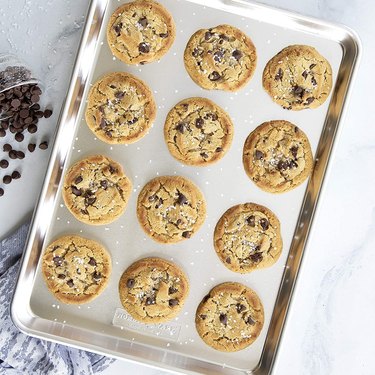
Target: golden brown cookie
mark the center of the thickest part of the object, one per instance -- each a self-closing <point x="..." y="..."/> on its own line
<point x="220" y="58"/>
<point x="198" y="132"/>
<point x="247" y="237"/>
<point x="153" y="290"/>
<point x="96" y="190"/>
<point x="171" y="209"/>
<point x="298" y="77"/>
<point x="76" y="269"/>
<point x="140" y="32"/>
<point x="277" y="156"/>
<point x="230" y="317"/>
<point x="120" y="109"/>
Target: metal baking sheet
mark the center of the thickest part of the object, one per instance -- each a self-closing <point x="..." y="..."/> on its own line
<point x="102" y="325"/>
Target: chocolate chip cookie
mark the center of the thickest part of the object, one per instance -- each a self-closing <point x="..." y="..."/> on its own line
<point x="76" y="269"/>
<point x="140" y="32"/>
<point x="171" y="209"/>
<point x="120" y="109"/>
<point x="153" y="290"/>
<point x="198" y="132"/>
<point x="247" y="237"/>
<point x="220" y="58"/>
<point x="230" y="317"/>
<point x="277" y="156"/>
<point x="96" y="190"/>
<point x="298" y="77"/>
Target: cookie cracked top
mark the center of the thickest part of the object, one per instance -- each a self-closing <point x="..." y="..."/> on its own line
<point x="230" y="317"/>
<point x="171" y="209"/>
<point x="153" y="290"/>
<point x="75" y="269"/>
<point x="198" y="132"/>
<point x="141" y="31"/>
<point x="96" y="190"/>
<point x="220" y="58"/>
<point x="120" y="109"/>
<point x="298" y="77"/>
<point x="247" y="237"/>
<point x="277" y="156"/>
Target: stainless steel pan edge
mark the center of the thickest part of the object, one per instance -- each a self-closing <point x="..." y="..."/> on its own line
<point x="21" y="313"/>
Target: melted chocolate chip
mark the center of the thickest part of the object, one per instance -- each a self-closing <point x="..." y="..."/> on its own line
<point x="118" y="28"/>
<point x="133" y="121"/>
<point x="61" y="276"/>
<point x="309" y="100"/>
<point x="181" y="127"/>
<point x="151" y="198"/>
<point x="143" y="22"/>
<point x="119" y="94"/>
<point x="92" y="262"/>
<point x="259" y="155"/>
<point x="298" y="91"/>
<point x="163" y="35"/>
<point x="204" y="155"/>
<point x="313" y="81"/>
<point x="150" y="301"/>
<point x="160" y="203"/>
<point x="208" y="35"/>
<point x="256" y="257"/>
<point x="112" y="169"/>
<point x="77" y="192"/>
<point x="130" y="283"/>
<point x="218" y="56"/>
<point x="294" y="150"/>
<point x="70" y="283"/>
<point x="251" y="220"/>
<point x="96" y="276"/>
<point x="214" y="76"/>
<point x="304" y="74"/>
<point x="282" y="165"/>
<point x="58" y="260"/>
<point x="173" y="302"/>
<point x="228" y="260"/>
<point x="279" y="75"/>
<point x="264" y="223"/>
<point x="199" y="123"/>
<point x="240" y="307"/>
<point x="181" y="199"/>
<point x="104" y="184"/>
<point x="223" y="319"/>
<point x="219" y="149"/>
<point x="237" y="54"/>
<point x="78" y="180"/>
<point x="143" y="47"/>
<point x="195" y="52"/>
<point x="250" y="321"/>
<point x="89" y="201"/>
<point x="172" y="290"/>
<point x="186" y="234"/>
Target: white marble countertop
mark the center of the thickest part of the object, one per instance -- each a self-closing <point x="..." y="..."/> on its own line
<point x="331" y="325"/>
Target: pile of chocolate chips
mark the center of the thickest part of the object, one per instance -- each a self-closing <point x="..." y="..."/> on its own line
<point x="19" y="113"/>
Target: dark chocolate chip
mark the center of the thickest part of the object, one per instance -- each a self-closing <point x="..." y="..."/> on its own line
<point x="7" y="179"/>
<point x="204" y="155"/>
<point x="77" y="192"/>
<point x="130" y="283"/>
<point x="214" y="76"/>
<point x="304" y="74"/>
<point x="84" y="212"/>
<point x="13" y="154"/>
<point x="223" y="319"/>
<point x="4" y="163"/>
<point x="186" y="234"/>
<point x="172" y="290"/>
<point x="31" y="147"/>
<point x="219" y="149"/>
<point x="264" y="223"/>
<point x="152" y="198"/>
<point x="199" y="123"/>
<point x="208" y="35"/>
<point x="133" y="121"/>
<point x="312" y="66"/>
<point x="181" y="127"/>
<point x="206" y="298"/>
<point x="112" y="169"/>
<point x="104" y="184"/>
<point x="144" y="47"/>
<point x="19" y="137"/>
<point x="228" y="260"/>
<point x="117" y="28"/>
<point x="143" y="22"/>
<point x="279" y="75"/>
<point x="150" y="301"/>
<point x="298" y="91"/>
<point x="32" y="128"/>
<point x="250" y="321"/>
<point x="108" y="134"/>
<point x="78" y="180"/>
<point x="70" y="283"/>
<point x="173" y="302"/>
<point x="89" y="201"/>
<point x="1" y="192"/>
<point x="159" y="203"/>
<point x="309" y="100"/>
<point x="251" y="220"/>
<point x="58" y="261"/>
<point x="163" y="35"/>
<point x="20" y="154"/>
<point x="34" y="98"/>
<point x="119" y="94"/>
<point x="240" y="307"/>
<point x="256" y="257"/>
<point x="237" y="54"/>
<point x="15" y="103"/>
<point x="16" y="175"/>
<point x="43" y="145"/>
<point x="259" y="155"/>
<point x="195" y="52"/>
<point x="313" y="81"/>
<point x="24" y="113"/>
<point x="181" y="199"/>
<point x="203" y="316"/>
<point x="47" y="113"/>
<point x="61" y="276"/>
<point x="2" y="133"/>
<point x="96" y="276"/>
<point x="7" y="147"/>
<point x="282" y="165"/>
<point x="178" y="222"/>
<point x="218" y="56"/>
<point x="294" y="150"/>
<point x="92" y="262"/>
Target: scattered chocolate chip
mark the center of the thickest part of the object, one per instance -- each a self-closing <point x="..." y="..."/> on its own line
<point x="181" y="127"/>
<point x="96" y="276"/>
<point x="89" y="201"/>
<point x="282" y="165"/>
<point x="47" y="113"/>
<point x="256" y="257"/>
<point x="13" y="154"/>
<point x="61" y="276"/>
<point x="208" y="35"/>
<point x="219" y="149"/>
<point x="237" y="54"/>
<point x="163" y="35"/>
<point x="143" y="22"/>
<point x="77" y="192"/>
<point x="7" y="179"/>
<point x="7" y="147"/>
<point x="144" y="47"/>
<point x="31" y="147"/>
<point x="298" y="91"/>
<point x="58" y="261"/>
<point x="20" y="154"/>
<point x="117" y="28"/>
<point x="32" y="128"/>
<point x="104" y="184"/>
<point x="43" y="145"/>
<point x="250" y="321"/>
<point x="1" y="192"/>
<point x="228" y="260"/>
<point x="199" y="123"/>
<point x="92" y="262"/>
<point x="264" y="223"/>
<point x="181" y="199"/>
<point x="223" y="319"/>
<point x="259" y="155"/>
<point x="251" y="220"/>
<point x="214" y="76"/>
<point x="173" y="302"/>
<point x="172" y="290"/>
<point x="4" y="163"/>
<point x="240" y="307"/>
<point x="130" y="283"/>
<point x="19" y="137"/>
<point x="15" y="103"/>
<point x="186" y="234"/>
<point x="304" y="74"/>
<point x="2" y="133"/>
<point x="70" y="283"/>
<point x="218" y="56"/>
<point x="294" y="151"/>
<point x="16" y="175"/>
<point x="24" y="113"/>
<point x="150" y="301"/>
<point x="78" y="180"/>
